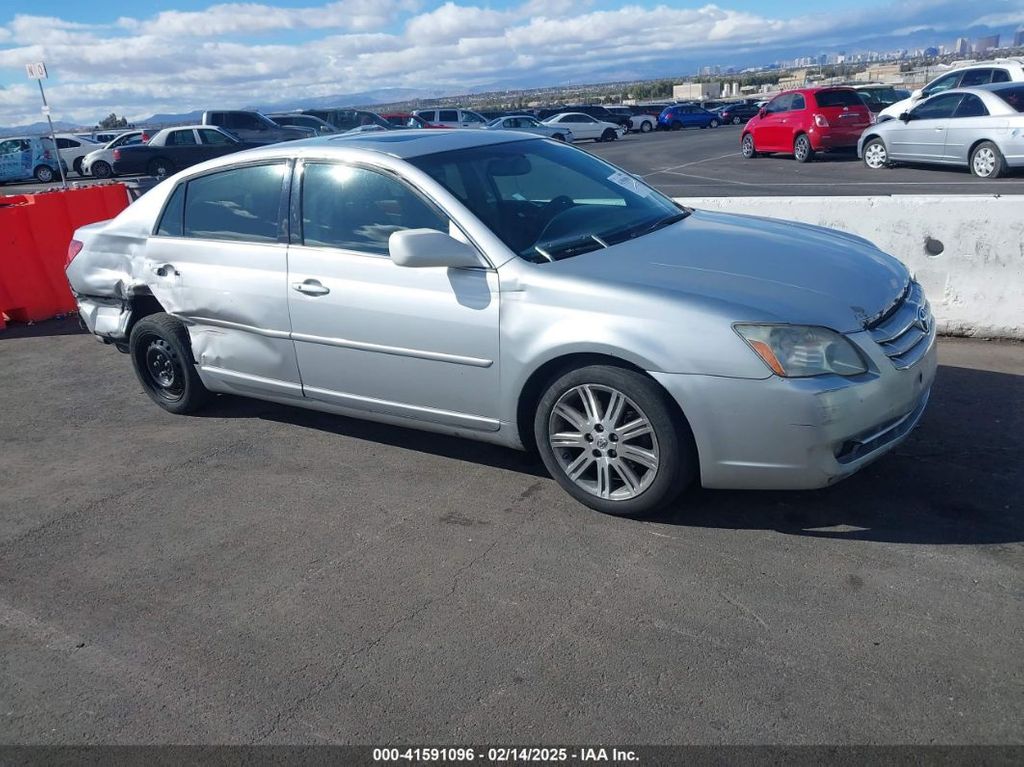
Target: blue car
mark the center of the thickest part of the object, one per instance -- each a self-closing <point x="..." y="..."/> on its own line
<point x="687" y="116"/>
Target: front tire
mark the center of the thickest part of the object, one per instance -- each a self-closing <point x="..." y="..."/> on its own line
<point x="713" y="124"/>
<point x="747" y="147"/>
<point x="162" y="357"/>
<point x="608" y="135"/>
<point x="875" y="154"/>
<point x="102" y="169"/>
<point x="987" y="161"/>
<point x="737" y="120"/>
<point x="646" y="126"/>
<point x="611" y="438"/>
<point x="802" y="149"/>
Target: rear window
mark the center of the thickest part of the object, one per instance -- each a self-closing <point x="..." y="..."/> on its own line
<point x="1013" y="96"/>
<point x="237" y="204"/>
<point x="838" y="99"/>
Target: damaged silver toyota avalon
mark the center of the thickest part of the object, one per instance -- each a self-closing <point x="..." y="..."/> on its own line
<point x="513" y="289"/>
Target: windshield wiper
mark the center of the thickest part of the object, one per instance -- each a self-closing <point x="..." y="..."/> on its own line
<point x="661" y="223"/>
<point x="570" y="247"/>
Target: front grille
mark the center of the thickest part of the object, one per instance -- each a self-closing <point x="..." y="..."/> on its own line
<point x="906" y="332"/>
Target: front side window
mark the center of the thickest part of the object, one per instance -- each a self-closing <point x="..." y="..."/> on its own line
<point x="238" y="204"/>
<point x="473" y="117"/>
<point x="358" y="209"/>
<point x="799" y="102"/>
<point x="213" y="137"/>
<point x="548" y="201"/>
<point x="779" y="104"/>
<point x="938" y="108"/>
<point x="944" y="83"/>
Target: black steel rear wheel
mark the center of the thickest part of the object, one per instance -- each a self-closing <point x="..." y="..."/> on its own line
<point x="162" y="357"/>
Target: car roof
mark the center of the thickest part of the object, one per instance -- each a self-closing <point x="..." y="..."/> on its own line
<point x="994" y="87"/>
<point x="405" y="144"/>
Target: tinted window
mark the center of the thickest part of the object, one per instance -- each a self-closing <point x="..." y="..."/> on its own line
<point x="944" y="83"/>
<point x="1000" y="76"/>
<point x="837" y="99"/>
<point x="1013" y="96"/>
<point x="449" y="116"/>
<point x="180" y="138"/>
<point x="243" y="121"/>
<point x="779" y="104"/>
<point x="170" y="221"/>
<point x="971" y="106"/>
<point x="976" y="77"/>
<point x="938" y="107"/>
<point x="66" y="143"/>
<point x="799" y="102"/>
<point x="472" y="117"/>
<point x="213" y="137"/>
<point x="358" y="209"/>
<point x="238" y="204"/>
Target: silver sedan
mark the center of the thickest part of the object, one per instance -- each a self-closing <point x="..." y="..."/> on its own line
<point x="516" y="290"/>
<point x="529" y="124"/>
<point x="981" y="128"/>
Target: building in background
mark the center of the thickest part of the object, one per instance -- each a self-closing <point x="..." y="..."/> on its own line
<point x="962" y="46"/>
<point x="985" y="44"/>
<point x="696" y="91"/>
<point x="1018" y="39"/>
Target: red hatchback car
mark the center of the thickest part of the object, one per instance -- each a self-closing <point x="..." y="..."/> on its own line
<point x="806" y="121"/>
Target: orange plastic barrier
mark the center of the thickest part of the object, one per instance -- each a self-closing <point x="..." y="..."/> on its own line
<point x="35" y="230"/>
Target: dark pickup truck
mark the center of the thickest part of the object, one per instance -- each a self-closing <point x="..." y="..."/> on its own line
<point x="172" y="149"/>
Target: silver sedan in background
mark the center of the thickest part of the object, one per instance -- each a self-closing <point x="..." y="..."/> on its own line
<point x="529" y="124"/>
<point x="981" y="128"/>
<point x="517" y="290"/>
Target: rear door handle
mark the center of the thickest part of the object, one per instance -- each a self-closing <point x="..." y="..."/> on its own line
<point x="311" y="288"/>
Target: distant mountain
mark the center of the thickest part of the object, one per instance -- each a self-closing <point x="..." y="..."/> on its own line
<point x="164" y="118"/>
<point x="38" y="129"/>
<point x="365" y="98"/>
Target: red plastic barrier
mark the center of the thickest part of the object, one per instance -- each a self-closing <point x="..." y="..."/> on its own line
<point x="35" y="230"/>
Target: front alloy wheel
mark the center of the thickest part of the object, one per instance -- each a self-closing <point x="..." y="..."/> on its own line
<point x="610" y="438"/>
<point x="987" y="161"/>
<point x="875" y="155"/>
<point x="747" y="147"/>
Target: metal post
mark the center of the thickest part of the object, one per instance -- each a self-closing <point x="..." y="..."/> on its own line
<point x="53" y="137"/>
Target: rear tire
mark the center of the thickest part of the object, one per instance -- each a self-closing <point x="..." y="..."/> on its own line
<point x="802" y="149"/>
<point x="102" y="169"/>
<point x="713" y="124"/>
<point x="676" y="125"/>
<point x="640" y="453"/>
<point x="44" y="174"/>
<point x="160" y="167"/>
<point x="987" y="161"/>
<point x="76" y="166"/>
<point x="162" y="357"/>
<point x="736" y="120"/>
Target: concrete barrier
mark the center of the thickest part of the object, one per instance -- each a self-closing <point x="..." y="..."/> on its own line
<point x="966" y="250"/>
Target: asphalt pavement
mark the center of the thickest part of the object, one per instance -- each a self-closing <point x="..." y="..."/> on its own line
<point x="260" y="574"/>
<point x="697" y="163"/>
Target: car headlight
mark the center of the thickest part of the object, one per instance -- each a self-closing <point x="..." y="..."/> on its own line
<point x="801" y="351"/>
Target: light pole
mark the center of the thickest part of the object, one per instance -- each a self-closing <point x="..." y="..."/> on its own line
<point x="37" y="72"/>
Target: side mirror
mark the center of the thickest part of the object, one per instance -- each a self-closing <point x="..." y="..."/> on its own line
<point x="906" y="117"/>
<point x="917" y="95"/>
<point x="762" y="112"/>
<point x="429" y="247"/>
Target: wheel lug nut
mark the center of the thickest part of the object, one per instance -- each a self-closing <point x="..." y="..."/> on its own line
<point x="612" y="454"/>
<point x="598" y="428"/>
<point x="597" y="454"/>
<point x="588" y="437"/>
<point x="613" y="437"/>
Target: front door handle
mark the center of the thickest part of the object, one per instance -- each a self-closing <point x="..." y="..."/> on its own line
<point x="311" y="288"/>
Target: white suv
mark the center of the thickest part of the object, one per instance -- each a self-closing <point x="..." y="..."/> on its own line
<point x="995" y="71"/>
<point x="451" y="118"/>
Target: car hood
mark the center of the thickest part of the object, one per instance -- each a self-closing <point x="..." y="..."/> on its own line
<point x="895" y="110"/>
<point x="754" y="269"/>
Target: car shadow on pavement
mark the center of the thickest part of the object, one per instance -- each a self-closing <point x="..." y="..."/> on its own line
<point x="958" y="479"/>
<point x="61" y="326"/>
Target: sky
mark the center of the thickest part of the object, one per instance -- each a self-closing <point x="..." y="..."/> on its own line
<point x="135" y="60"/>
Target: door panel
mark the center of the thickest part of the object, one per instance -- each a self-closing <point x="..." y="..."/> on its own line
<point x="924" y="137"/>
<point x="223" y="270"/>
<point x="415" y="342"/>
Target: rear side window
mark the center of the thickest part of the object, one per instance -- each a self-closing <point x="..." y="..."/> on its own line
<point x="170" y="221"/>
<point x="358" y="209"/>
<point x="1000" y="76"/>
<point x="1013" y="96"/>
<point x="449" y="116"/>
<point x="837" y="99"/>
<point x="974" y="77"/>
<point x="971" y="106"/>
<point x="239" y="204"/>
<point x="180" y="138"/>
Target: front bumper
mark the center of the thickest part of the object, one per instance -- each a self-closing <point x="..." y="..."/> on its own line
<point x="792" y="434"/>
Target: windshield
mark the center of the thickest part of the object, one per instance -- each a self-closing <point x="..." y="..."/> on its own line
<point x="547" y="201"/>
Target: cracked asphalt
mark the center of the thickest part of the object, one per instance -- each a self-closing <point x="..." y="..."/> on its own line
<point x="260" y="574"/>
